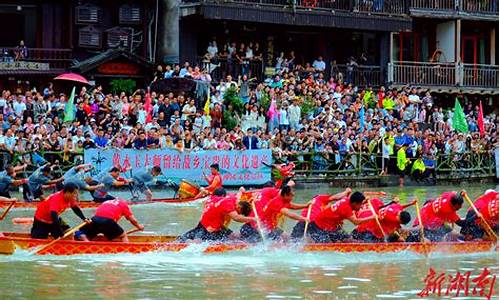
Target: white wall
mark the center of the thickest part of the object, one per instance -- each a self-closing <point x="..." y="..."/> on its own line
<point x="445" y="40"/>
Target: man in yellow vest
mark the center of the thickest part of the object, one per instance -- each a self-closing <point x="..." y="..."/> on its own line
<point x="418" y="169"/>
<point x="402" y="162"/>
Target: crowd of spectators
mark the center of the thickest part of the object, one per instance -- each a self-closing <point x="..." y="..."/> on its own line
<point x="298" y="113"/>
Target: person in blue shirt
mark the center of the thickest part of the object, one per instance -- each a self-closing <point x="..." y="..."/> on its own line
<point x="37" y="181"/>
<point x="100" y="140"/>
<point x="106" y="180"/>
<point x="7" y="180"/>
<point x="142" y="177"/>
<point x="76" y="175"/>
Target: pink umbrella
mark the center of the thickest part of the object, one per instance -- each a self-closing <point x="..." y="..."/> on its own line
<point x="72" y="77"/>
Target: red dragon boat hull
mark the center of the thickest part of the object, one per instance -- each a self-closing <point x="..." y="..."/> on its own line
<point x="9" y="242"/>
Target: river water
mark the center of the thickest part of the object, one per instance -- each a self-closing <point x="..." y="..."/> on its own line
<point x="258" y="273"/>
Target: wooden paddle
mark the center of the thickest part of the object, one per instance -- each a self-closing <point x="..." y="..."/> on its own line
<point x="257" y="219"/>
<point x="309" y="209"/>
<point x="133" y="231"/>
<point x="377" y="220"/>
<point x="6" y="211"/>
<point x="489" y="230"/>
<point x="419" y="217"/>
<point x="68" y="233"/>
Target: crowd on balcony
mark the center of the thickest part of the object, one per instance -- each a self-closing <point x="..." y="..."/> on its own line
<point x="300" y="116"/>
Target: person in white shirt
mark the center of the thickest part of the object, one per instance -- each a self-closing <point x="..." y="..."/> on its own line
<point x="294" y="112"/>
<point x="19" y="107"/>
<point x="212" y="50"/>
<point x="209" y="143"/>
<point x="284" y="122"/>
<point x="319" y="65"/>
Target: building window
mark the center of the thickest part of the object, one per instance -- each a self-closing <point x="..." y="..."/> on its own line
<point x="89" y="37"/>
<point x="118" y="37"/>
<point x="88" y="13"/>
<point x="130" y="14"/>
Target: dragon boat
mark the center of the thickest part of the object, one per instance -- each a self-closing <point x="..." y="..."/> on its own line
<point x="91" y="204"/>
<point x="9" y="242"/>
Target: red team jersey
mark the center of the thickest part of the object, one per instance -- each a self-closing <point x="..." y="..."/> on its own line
<point x="54" y="202"/>
<point x="320" y="202"/>
<point x="437" y="212"/>
<point x="487" y="205"/>
<point x="215" y="214"/>
<point x="263" y="198"/>
<point x="365" y="212"/>
<point x="271" y="212"/>
<point x="333" y="217"/>
<point x="215" y="183"/>
<point x="114" y="210"/>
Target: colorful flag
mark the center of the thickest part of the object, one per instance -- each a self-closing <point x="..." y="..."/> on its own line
<point x="480" y="120"/>
<point x="69" y="109"/>
<point x="459" y="121"/>
<point x="148" y="107"/>
<point x="206" y="109"/>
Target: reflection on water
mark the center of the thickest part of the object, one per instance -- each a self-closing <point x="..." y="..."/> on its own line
<point x="257" y="273"/>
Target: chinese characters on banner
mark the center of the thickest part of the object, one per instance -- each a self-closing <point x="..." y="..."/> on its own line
<point x="236" y="167"/>
<point x="459" y="285"/>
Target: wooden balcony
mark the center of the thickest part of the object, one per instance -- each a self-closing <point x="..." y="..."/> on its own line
<point x="465" y="9"/>
<point x="58" y="59"/>
<point x="445" y="76"/>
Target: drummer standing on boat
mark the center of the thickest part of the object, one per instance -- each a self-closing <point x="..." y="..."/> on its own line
<point x="7" y="180"/>
<point x="218" y="212"/>
<point x="105" y="221"/>
<point x="141" y="178"/>
<point x="47" y="218"/>
<point x="214" y="181"/>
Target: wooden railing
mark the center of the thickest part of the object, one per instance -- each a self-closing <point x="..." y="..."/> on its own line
<point x="56" y="58"/>
<point x="468" y="6"/>
<point x="220" y="68"/>
<point x="443" y="74"/>
<point x="358" y="6"/>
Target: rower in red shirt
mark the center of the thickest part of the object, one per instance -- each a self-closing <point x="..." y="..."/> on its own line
<point x="214" y="181"/>
<point x="390" y="216"/>
<point x="327" y="226"/>
<point x="105" y="221"/>
<point x="216" y="216"/>
<point x="487" y="205"/>
<point x="436" y="213"/>
<point x="47" y="220"/>
<point x="270" y="215"/>
<point x="318" y="204"/>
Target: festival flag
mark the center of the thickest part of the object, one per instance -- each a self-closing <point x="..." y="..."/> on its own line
<point x="148" y="107"/>
<point x="480" y="120"/>
<point x="69" y="109"/>
<point x="206" y="109"/>
<point x="459" y="121"/>
<point x="272" y="110"/>
<point x="362" y="119"/>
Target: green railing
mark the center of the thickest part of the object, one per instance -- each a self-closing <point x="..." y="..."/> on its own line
<point x="366" y="164"/>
